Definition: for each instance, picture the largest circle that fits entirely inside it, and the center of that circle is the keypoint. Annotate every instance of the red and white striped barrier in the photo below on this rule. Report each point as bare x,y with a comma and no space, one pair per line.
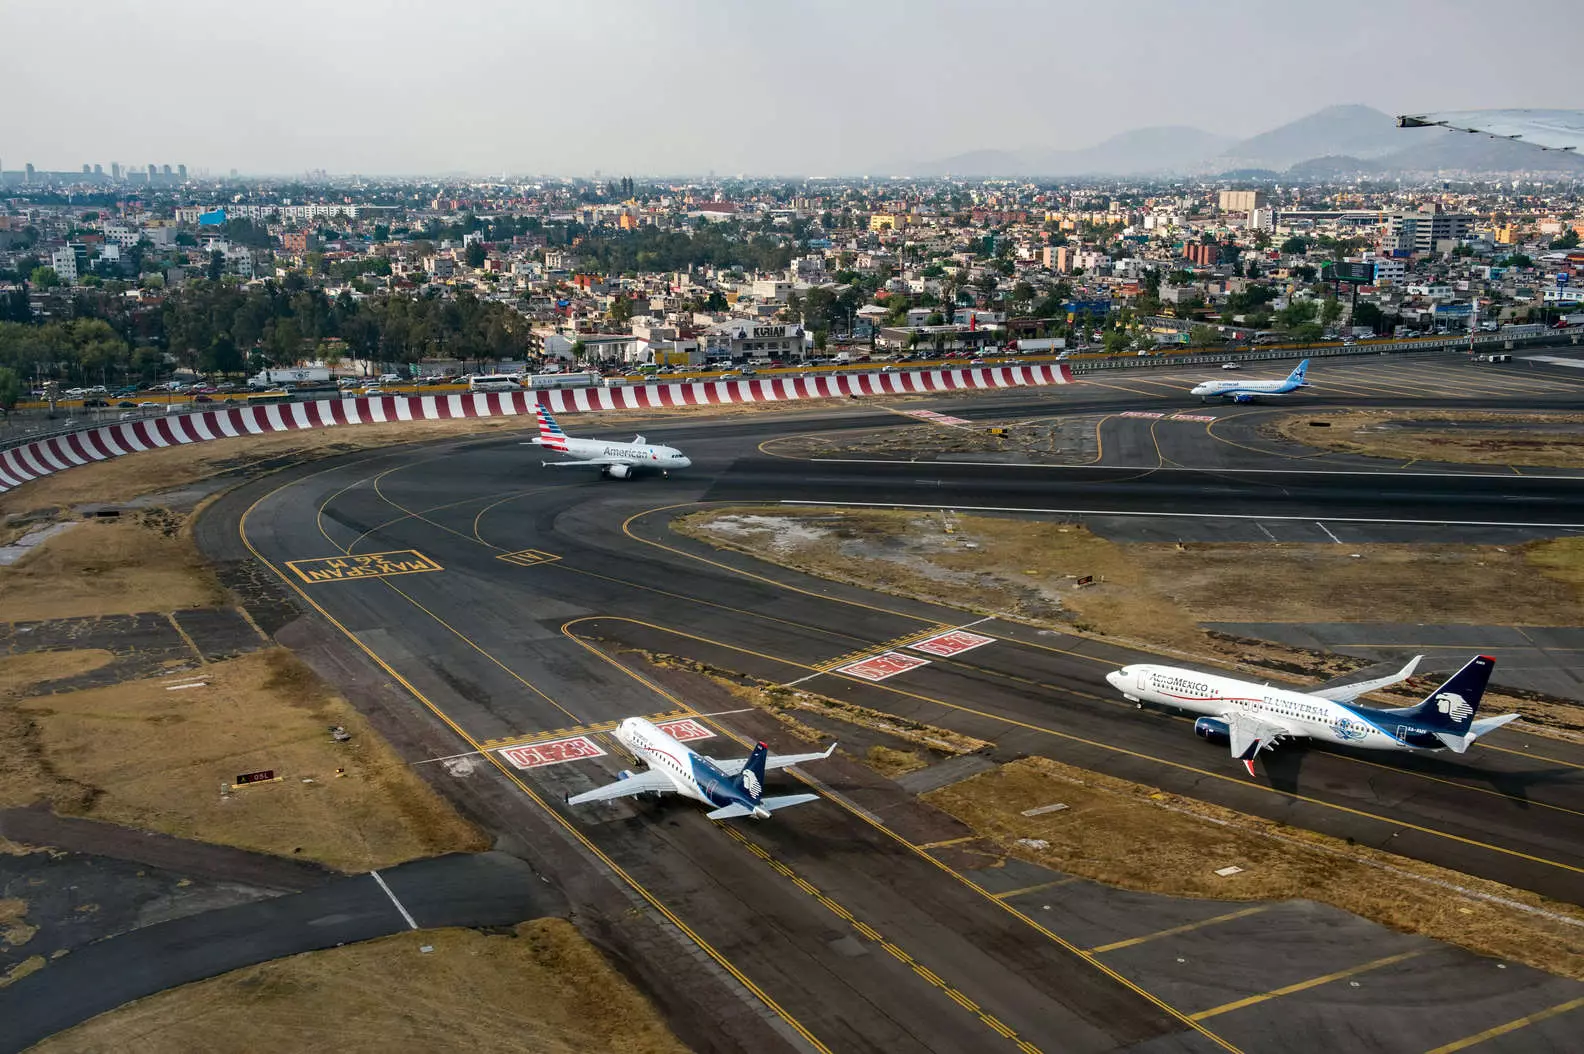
20,464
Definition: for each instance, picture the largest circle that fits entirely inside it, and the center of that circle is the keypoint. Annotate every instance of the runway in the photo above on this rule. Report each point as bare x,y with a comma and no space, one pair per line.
506,619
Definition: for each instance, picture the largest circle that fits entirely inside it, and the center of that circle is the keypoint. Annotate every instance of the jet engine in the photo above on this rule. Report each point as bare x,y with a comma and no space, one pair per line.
618,471
1213,729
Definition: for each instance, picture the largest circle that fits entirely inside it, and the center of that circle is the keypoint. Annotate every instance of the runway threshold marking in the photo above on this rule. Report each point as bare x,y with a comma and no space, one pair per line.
870,933
412,923
857,811
363,565
1175,930
570,828
1300,986
1510,1026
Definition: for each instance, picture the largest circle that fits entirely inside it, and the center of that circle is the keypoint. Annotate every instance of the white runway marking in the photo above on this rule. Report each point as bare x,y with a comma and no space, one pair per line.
404,913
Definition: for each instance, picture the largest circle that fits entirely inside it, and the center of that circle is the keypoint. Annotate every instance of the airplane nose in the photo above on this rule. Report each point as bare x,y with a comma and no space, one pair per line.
1114,679
683,462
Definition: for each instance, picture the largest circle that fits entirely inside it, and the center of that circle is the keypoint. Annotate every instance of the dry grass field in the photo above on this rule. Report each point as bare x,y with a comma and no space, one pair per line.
1484,438
1136,837
542,988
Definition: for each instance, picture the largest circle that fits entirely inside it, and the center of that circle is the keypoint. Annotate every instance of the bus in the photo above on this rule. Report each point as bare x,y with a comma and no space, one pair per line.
494,382
269,397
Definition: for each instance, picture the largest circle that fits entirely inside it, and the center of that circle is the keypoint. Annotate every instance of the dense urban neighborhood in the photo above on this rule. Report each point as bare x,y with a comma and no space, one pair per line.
114,283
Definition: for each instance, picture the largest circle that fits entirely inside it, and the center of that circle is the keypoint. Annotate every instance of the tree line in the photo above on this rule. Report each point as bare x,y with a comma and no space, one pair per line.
220,329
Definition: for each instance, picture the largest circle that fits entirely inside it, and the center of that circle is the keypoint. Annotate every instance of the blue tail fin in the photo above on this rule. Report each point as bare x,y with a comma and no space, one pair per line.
1299,373
1451,707
751,778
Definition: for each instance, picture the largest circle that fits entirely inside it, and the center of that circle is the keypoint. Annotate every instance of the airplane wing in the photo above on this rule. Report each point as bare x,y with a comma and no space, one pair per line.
1546,129
650,782
774,761
1346,693
1249,735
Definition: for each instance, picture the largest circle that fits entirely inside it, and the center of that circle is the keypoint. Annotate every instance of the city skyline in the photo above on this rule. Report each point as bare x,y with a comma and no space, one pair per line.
692,86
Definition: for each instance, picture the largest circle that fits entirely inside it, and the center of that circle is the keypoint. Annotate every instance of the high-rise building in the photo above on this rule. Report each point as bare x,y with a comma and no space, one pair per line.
27,173
98,170
181,173
87,169
1426,230
151,174
1242,200
115,171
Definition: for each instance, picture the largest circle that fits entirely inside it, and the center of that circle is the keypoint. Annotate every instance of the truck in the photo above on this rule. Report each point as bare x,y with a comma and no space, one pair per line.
561,380
300,377
1039,345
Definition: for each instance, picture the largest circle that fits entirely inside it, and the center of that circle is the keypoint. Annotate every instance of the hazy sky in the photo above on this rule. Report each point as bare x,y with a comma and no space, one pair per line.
688,86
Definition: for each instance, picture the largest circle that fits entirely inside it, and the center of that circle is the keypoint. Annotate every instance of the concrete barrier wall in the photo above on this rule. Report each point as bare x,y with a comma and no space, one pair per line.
45,456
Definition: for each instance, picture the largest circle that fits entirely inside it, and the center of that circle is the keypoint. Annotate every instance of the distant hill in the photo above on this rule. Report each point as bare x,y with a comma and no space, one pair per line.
1336,142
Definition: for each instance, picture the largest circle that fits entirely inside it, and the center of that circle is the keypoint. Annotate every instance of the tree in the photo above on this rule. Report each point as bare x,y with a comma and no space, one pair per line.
1568,240
1367,314
1518,260
10,388
474,254
1330,311
1204,336
1294,246
216,266
44,277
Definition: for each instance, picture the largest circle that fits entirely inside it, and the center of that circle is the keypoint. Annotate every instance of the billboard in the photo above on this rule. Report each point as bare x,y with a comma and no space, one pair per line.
1097,308
213,219
1453,310
1360,273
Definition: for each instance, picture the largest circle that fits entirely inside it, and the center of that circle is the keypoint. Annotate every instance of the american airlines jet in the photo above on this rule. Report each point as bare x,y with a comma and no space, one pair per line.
730,788
1253,717
614,460
1246,391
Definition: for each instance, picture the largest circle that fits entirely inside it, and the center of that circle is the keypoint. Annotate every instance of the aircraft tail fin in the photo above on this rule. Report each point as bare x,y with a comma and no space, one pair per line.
1299,373
1449,710
550,433
751,778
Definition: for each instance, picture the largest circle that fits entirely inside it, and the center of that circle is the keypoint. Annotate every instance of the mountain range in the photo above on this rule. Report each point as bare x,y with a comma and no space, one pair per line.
1336,141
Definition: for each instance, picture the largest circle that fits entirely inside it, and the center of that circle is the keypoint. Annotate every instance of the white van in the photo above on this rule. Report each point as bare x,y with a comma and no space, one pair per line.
493,382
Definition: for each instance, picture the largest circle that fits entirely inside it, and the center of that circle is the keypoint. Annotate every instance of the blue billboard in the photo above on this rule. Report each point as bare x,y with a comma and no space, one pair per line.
1098,308
216,218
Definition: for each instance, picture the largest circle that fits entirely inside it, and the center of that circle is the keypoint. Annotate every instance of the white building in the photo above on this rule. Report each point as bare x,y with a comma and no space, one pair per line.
63,262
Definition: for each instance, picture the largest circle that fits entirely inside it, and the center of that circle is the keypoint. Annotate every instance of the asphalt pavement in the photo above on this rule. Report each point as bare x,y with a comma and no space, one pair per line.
503,594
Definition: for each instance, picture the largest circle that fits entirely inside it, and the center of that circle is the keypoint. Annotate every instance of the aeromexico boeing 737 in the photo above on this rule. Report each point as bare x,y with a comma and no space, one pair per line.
1247,391
614,460
1253,717
730,788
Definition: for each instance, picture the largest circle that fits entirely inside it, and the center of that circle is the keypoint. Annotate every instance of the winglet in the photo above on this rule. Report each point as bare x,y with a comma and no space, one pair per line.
1248,763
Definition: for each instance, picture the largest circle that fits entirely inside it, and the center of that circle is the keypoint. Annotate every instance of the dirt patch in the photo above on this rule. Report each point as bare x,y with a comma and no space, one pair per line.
1488,438
541,988
138,562
893,763
1137,837
13,929
148,757
18,673
1056,440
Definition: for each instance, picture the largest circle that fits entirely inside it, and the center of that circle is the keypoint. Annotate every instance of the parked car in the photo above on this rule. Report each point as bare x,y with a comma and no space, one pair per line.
375,390
95,403
127,404
203,399
1230,366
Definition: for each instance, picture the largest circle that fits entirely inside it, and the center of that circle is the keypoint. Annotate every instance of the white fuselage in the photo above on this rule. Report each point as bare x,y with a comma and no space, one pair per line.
1209,388
1301,714
663,754
639,455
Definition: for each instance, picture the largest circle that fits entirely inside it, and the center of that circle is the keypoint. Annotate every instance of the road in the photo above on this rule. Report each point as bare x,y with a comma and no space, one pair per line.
507,615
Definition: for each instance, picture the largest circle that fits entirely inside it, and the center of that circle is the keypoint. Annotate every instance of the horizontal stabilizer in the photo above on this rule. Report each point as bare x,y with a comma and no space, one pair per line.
766,806
1490,724
1456,744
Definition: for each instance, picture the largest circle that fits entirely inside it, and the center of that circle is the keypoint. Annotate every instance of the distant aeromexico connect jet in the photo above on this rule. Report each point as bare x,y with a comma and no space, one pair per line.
614,460
1252,717
1246,391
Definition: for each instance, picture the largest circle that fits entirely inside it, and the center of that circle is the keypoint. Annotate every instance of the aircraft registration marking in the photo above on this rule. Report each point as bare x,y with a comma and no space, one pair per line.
886,664
684,729
362,565
528,557
953,643
538,755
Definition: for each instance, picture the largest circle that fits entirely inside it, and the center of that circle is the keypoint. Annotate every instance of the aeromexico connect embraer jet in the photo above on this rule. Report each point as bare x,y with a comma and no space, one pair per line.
1253,717
729,788
1247,391
614,460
